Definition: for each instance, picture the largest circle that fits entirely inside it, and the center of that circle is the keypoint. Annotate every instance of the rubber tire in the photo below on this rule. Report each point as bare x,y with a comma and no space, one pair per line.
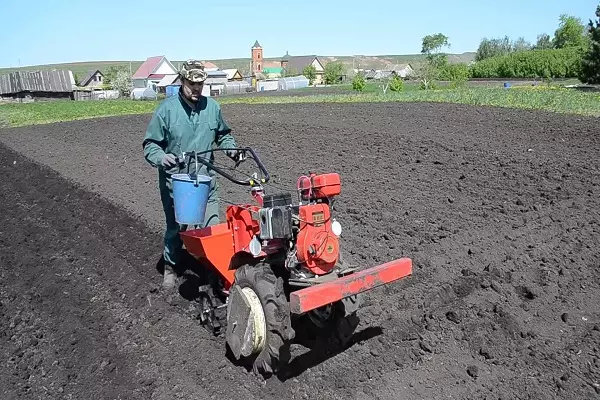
339,329
269,289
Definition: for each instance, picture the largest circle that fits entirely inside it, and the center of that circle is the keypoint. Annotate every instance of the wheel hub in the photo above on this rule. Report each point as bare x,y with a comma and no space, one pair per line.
246,327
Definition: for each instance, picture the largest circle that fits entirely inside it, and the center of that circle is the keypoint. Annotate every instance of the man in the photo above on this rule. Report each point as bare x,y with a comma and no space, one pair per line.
182,123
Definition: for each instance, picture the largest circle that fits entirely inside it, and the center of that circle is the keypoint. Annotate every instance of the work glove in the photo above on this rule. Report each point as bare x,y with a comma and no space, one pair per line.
169,160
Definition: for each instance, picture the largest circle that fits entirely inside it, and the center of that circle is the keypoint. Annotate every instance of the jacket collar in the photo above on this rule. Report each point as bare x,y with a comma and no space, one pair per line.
200,104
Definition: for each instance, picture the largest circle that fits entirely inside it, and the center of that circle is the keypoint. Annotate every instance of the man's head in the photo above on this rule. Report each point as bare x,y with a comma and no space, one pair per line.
192,79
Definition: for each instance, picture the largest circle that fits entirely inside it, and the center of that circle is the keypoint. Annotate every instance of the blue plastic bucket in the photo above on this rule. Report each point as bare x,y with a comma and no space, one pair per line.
189,199
507,85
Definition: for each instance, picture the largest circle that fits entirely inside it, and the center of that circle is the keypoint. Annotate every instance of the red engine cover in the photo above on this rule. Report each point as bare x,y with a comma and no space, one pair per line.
320,186
318,246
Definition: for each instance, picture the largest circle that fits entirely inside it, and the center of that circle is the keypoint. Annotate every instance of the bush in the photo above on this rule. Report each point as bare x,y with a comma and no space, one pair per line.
359,83
396,84
547,63
458,74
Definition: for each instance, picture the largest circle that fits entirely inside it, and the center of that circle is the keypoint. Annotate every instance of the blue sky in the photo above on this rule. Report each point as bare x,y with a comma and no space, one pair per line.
44,31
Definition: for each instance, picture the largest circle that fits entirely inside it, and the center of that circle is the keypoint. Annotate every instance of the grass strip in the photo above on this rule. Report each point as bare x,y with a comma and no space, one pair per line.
557,100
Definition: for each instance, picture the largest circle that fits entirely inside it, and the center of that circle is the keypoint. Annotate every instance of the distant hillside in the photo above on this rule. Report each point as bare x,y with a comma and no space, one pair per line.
243,64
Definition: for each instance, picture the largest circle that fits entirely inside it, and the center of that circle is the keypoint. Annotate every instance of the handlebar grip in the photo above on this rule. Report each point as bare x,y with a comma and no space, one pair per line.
248,182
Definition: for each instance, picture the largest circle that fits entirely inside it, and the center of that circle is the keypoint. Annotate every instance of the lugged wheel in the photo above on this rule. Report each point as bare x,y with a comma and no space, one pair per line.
271,333
336,322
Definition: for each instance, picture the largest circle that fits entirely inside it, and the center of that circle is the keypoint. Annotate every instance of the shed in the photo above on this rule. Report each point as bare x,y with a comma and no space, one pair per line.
215,81
166,81
29,85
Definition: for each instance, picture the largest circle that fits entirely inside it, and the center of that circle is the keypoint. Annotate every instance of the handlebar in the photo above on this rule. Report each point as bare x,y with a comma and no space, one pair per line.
190,156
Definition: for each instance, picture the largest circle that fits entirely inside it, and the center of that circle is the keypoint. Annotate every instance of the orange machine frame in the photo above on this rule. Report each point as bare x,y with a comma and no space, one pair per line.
217,245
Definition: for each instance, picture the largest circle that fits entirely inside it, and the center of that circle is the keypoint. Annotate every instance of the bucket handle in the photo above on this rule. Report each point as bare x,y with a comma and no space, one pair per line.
197,175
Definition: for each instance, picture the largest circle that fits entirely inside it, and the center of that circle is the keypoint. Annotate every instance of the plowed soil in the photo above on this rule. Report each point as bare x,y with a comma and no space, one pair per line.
499,210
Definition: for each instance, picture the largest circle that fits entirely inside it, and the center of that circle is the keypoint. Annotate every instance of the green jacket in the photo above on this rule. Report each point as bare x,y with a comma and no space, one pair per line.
176,127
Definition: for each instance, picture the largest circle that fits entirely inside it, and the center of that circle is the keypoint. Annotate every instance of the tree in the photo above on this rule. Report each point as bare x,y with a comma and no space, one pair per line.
521,45
544,41
436,59
122,82
495,47
432,47
590,63
310,72
570,33
333,72
112,71
359,83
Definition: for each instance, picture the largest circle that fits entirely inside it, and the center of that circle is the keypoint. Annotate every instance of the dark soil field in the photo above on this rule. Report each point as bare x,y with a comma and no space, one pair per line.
499,210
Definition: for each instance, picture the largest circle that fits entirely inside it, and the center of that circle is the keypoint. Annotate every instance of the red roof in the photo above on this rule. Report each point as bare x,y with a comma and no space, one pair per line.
208,64
146,69
156,76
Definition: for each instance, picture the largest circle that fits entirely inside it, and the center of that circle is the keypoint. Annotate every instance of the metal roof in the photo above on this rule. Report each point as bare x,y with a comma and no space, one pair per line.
297,63
216,74
231,72
168,80
149,67
89,76
373,74
37,81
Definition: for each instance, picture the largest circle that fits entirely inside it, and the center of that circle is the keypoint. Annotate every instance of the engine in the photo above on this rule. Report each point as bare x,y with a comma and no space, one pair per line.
307,229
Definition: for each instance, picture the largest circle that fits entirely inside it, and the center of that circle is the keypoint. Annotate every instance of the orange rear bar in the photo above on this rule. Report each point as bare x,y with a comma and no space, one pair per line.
313,297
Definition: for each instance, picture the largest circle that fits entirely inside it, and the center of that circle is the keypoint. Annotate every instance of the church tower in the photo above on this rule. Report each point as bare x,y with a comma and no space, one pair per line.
257,58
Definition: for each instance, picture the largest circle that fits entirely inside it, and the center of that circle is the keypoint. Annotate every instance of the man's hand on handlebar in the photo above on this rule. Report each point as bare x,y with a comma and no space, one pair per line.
169,160
238,156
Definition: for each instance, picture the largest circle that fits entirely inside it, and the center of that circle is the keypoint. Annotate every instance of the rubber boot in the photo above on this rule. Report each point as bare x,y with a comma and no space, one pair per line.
170,277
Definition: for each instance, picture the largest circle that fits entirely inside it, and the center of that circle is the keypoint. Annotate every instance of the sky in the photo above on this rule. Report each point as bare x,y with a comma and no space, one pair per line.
47,32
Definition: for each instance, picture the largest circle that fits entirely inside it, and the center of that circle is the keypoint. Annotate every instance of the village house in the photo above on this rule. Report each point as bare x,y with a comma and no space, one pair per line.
233,74
151,72
93,78
294,65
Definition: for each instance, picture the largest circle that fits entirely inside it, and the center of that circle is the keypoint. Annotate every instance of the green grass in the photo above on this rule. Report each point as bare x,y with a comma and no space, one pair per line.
554,100
15,114
539,98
